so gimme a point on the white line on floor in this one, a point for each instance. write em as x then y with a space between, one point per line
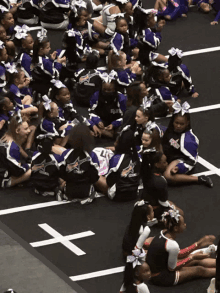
34 28
198 109
98 274
58 239
200 51
208 165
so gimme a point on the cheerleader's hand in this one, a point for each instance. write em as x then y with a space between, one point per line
61 60
195 95
213 22
53 56
96 131
109 127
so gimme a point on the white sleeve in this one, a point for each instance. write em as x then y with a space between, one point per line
142 288
172 247
144 235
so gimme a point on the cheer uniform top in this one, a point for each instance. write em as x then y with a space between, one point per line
51 126
108 110
182 147
123 177
108 20
79 170
10 162
163 253
24 59
45 171
88 82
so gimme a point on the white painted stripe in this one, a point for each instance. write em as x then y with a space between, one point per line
198 109
65 242
206 173
34 28
200 51
98 274
32 207
58 239
208 165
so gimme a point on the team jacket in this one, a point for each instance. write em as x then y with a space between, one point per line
52 125
123 175
54 11
10 160
28 9
109 111
88 82
80 171
181 146
45 171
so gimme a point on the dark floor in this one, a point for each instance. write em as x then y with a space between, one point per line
108 219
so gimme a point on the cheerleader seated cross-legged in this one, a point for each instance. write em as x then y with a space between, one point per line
171 266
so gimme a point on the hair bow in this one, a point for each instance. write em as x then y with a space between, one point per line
80 3
10 291
183 109
176 51
174 214
3 9
43 136
107 78
46 102
18 117
150 125
137 258
72 33
146 103
57 83
140 203
122 1
21 31
42 34
11 68
2 45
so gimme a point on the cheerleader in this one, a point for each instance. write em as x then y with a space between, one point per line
54 14
24 43
79 168
145 120
121 41
107 107
54 125
7 21
179 74
5 107
45 169
180 146
138 229
216 6
88 80
44 68
163 254
13 171
124 169
3 59
172 9
149 36
136 273
61 96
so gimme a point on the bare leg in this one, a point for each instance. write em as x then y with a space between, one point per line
57 149
175 178
101 185
195 272
30 138
160 4
18 180
27 100
99 27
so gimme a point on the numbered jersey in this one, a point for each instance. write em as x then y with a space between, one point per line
104 156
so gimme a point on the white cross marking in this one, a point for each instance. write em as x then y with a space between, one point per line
65 240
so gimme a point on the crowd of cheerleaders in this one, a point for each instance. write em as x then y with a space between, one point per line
46 143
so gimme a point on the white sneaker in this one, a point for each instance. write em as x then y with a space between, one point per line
211 288
211 249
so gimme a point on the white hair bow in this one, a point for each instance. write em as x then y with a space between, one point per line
123 1
81 3
21 31
43 136
172 213
46 102
183 109
57 83
2 45
11 68
107 78
150 125
140 203
176 51
42 34
3 9
137 258
72 33
146 103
